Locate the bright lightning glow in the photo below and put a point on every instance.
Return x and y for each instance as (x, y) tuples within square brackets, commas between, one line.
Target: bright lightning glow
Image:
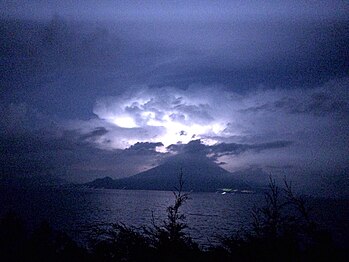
[(124, 121), (177, 126), (179, 132)]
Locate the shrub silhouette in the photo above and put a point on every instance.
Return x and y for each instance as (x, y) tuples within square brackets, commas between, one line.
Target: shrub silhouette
[(165, 242), (170, 239), (282, 230), (121, 243), (13, 237), (44, 244)]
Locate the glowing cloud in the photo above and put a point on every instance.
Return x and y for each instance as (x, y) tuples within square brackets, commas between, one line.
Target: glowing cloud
[(178, 117), (124, 121)]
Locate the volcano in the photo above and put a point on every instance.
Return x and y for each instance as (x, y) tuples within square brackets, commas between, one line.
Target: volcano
[(199, 174)]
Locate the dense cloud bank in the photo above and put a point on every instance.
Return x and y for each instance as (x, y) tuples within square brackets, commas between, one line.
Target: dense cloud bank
[(115, 89), (254, 130)]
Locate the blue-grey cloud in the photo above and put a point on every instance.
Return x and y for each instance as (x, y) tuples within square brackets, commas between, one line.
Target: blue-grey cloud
[(96, 86), (143, 147), (97, 132), (72, 157), (58, 59), (222, 149), (320, 102)]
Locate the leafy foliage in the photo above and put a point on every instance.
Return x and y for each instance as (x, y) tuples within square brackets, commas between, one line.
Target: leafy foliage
[(44, 244), (282, 230), (170, 239)]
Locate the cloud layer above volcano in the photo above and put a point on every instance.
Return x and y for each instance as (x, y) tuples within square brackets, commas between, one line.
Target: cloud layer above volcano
[(116, 87)]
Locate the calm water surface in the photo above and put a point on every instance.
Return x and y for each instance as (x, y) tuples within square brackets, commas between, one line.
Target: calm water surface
[(208, 214)]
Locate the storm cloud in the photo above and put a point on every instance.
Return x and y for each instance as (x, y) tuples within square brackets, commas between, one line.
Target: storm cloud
[(115, 88), (196, 146)]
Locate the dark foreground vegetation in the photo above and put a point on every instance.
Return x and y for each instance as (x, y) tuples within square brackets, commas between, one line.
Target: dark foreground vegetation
[(281, 231)]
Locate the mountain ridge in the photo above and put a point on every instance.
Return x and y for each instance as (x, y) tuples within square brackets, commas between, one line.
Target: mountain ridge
[(199, 174)]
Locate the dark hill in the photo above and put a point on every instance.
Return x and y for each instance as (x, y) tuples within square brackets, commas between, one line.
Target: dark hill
[(199, 174)]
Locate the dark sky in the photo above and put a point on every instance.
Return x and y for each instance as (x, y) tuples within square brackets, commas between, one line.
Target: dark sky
[(90, 88)]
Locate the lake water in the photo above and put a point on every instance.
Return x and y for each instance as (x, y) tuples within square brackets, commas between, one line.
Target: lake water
[(208, 214)]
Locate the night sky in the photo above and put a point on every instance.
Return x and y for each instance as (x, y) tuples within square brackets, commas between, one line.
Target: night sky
[(111, 88)]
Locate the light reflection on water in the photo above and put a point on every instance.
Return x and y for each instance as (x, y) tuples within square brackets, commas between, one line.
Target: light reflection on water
[(73, 210)]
